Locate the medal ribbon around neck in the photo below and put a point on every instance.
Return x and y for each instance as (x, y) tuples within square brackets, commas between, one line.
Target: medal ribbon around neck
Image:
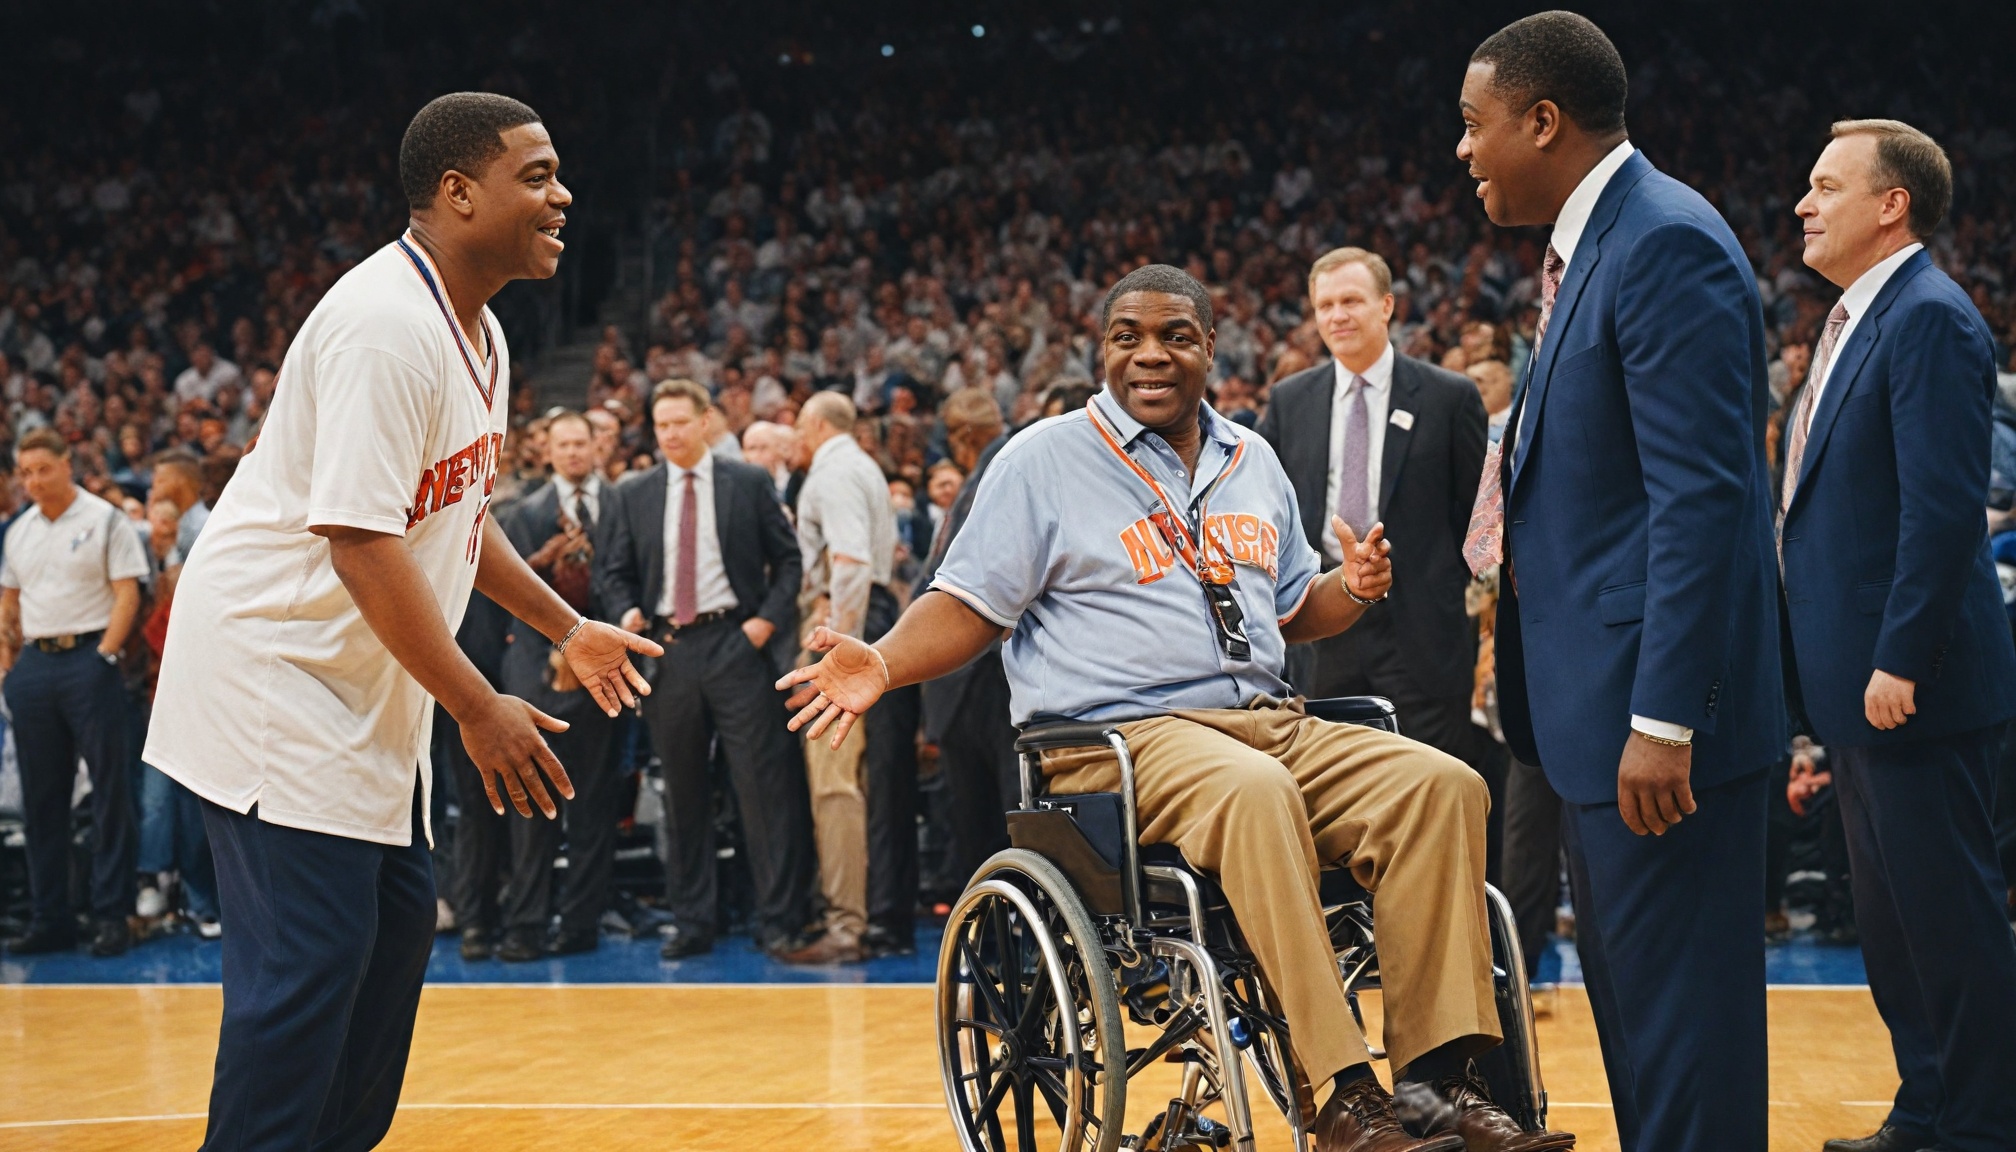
[(1207, 563), (420, 265)]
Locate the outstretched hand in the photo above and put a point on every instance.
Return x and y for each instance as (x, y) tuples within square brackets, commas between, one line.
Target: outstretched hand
[(1368, 569), (599, 656), (835, 691), (504, 744)]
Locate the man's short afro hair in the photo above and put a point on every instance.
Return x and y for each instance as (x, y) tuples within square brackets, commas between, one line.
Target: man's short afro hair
[(460, 132), (1159, 278), (1562, 57)]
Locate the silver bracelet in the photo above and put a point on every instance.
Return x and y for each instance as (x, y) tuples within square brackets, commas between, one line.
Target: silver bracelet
[(1346, 585), (579, 624)]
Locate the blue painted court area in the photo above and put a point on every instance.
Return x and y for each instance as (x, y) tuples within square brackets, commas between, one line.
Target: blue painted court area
[(189, 960)]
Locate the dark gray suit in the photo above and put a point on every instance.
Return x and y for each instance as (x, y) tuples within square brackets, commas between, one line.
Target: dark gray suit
[(583, 749), (966, 715), (712, 684), (1418, 649)]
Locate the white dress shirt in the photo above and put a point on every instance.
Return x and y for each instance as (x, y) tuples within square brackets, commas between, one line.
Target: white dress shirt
[(1857, 299), (591, 488), (711, 590), (1574, 220), (1568, 228), (1378, 399)]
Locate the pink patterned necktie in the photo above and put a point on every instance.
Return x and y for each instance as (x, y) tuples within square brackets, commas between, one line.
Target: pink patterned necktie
[(686, 567), (1484, 543), (1809, 397)]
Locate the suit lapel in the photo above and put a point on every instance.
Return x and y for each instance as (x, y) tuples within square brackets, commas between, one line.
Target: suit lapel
[(1312, 460), (1849, 362), (1588, 254), (650, 525), (1406, 395), (724, 502)]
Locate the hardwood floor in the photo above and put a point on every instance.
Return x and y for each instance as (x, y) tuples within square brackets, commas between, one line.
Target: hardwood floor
[(87, 1069)]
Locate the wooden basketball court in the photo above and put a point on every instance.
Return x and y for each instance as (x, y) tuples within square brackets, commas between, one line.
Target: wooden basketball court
[(735, 1067)]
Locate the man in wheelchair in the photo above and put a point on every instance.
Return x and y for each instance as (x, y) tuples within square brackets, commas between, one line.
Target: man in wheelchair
[(1145, 558)]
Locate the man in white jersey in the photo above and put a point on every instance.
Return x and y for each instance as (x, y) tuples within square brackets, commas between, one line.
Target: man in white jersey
[(316, 618)]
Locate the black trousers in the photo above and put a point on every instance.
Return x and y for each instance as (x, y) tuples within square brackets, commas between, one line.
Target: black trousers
[(1929, 905), (326, 941), (66, 705), (976, 754), (1366, 660), (713, 684), (1532, 868), (504, 864), (1673, 953), (482, 836), (889, 763)]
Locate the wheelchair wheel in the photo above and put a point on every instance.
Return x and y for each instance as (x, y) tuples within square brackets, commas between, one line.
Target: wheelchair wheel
[(1512, 1069), (1029, 1029)]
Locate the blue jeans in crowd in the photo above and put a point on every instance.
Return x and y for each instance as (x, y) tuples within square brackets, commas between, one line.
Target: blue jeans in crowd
[(172, 839)]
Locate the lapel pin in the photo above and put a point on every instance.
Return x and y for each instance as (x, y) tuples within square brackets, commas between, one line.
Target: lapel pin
[(1402, 419)]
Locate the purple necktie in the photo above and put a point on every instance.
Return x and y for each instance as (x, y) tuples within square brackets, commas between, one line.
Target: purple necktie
[(685, 579), (1353, 499)]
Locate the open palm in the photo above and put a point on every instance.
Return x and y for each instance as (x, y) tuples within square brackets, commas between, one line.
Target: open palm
[(839, 688), (599, 656)]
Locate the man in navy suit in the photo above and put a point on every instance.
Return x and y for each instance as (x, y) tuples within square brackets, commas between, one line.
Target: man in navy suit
[(1901, 649), (1638, 633)]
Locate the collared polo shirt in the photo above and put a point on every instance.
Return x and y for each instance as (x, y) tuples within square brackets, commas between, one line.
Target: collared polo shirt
[(1106, 620), (64, 568), (844, 510)]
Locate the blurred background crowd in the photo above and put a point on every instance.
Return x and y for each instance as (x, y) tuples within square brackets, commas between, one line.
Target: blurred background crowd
[(898, 204)]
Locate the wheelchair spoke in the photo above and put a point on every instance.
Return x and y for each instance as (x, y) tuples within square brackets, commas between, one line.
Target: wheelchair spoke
[(1051, 1087), (1010, 943), (989, 1111), (1025, 1116), (1038, 999), (983, 979)]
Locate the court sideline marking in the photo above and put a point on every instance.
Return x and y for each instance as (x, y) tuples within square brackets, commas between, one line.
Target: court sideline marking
[(784, 1106)]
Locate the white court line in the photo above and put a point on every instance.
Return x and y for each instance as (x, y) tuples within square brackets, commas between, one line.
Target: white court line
[(648, 984), (754, 985), (517, 1106)]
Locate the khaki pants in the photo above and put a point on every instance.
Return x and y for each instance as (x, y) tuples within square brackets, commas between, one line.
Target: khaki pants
[(840, 827), (1261, 797)]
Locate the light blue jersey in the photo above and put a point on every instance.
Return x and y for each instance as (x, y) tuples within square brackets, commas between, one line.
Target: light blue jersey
[(1109, 621)]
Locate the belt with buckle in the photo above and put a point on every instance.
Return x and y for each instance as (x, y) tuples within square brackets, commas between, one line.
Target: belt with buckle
[(54, 644), (670, 631)]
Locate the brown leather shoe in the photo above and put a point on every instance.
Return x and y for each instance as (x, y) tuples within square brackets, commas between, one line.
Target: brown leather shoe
[(1359, 1118), (1485, 1127), (827, 949)]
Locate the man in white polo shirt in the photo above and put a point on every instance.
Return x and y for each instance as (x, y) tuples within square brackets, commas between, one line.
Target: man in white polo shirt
[(69, 591), (316, 617)]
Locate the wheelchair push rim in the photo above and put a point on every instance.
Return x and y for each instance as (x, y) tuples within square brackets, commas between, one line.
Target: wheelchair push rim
[(1028, 1017)]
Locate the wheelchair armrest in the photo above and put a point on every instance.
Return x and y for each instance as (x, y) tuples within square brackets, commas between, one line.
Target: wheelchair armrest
[(1370, 711), (1068, 734)]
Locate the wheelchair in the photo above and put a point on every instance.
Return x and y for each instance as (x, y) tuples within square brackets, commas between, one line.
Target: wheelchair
[(1062, 940)]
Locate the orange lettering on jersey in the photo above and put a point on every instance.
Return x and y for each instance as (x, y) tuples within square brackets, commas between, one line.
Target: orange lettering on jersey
[(1147, 551), (443, 484), (1248, 540), (458, 474)]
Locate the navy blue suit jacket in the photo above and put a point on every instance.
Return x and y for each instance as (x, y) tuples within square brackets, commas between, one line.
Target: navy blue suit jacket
[(1638, 516), (1886, 548)]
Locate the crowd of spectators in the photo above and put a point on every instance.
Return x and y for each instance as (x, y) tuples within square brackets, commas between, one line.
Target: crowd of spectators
[(891, 217)]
